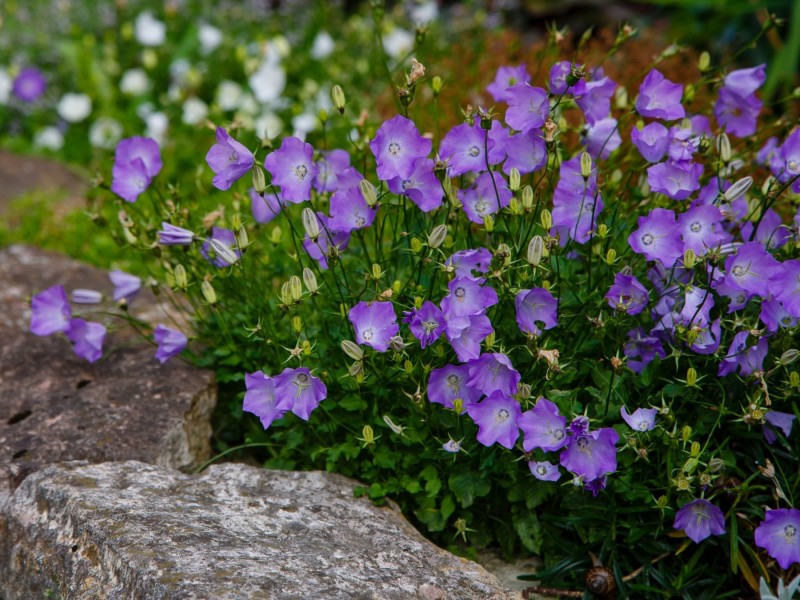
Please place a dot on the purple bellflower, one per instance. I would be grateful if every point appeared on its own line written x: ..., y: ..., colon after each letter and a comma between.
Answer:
x: 329, y: 241
x: 576, y: 203
x: 136, y: 161
x: 448, y: 384
x: 496, y: 417
x: 627, y: 295
x: 507, y: 77
x: 229, y: 159
x: 396, y: 145
x: 331, y: 165
x: 591, y: 455
x: 526, y: 152
x: 651, y: 141
x: 87, y: 339
x: 700, y: 519
x: 172, y: 235
x: 493, y: 372
x: 426, y: 323
x: 543, y: 427
x: 483, y: 200
x: 292, y: 168
x: 777, y: 420
x: 29, y: 84
x: 463, y: 149
x: 779, y: 535
x: 264, y: 207
x: 775, y: 315
x: 50, y: 311
x: 422, y: 187
x: 742, y: 357
x: 658, y: 237
x: 544, y: 471
x: 660, y: 98
x: 528, y: 107
x: 786, y: 165
x: 641, y: 349
x: 125, y: 285
x: 470, y: 261
x: 786, y: 280
x: 771, y: 232
x: 675, y: 179
x: 557, y: 78
x: 466, y: 336
x: 349, y: 210
x: 466, y: 297
x: 375, y: 324
x: 299, y: 391
x: 737, y: 106
x: 701, y: 229
x: 170, y: 342
x: 602, y: 138
x: 642, y: 419
x: 594, y: 98
x: 535, y: 306
x: 259, y: 398
x: 751, y: 268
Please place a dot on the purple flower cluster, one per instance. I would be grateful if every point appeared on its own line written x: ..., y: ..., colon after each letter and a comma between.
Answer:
x: 295, y: 390
x: 229, y: 159
x: 737, y: 105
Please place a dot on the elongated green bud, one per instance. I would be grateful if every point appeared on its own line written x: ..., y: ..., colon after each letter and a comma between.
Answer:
x: 586, y: 165
x: 514, y: 179
x: 535, y: 250
x: 236, y: 222
x: 689, y: 258
x: 739, y: 188
x: 337, y: 95
x: 259, y: 180
x: 789, y: 356
x: 691, y: 377
x: 398, y: 429
x: 794, y: 379
x: 310, y: 223
x: 436, y: 85
x: 488, y: 223
x: 208, y: 292
x: 181, y: 279
x: 286, y: 294
x: 310, y: 280
x: 275, y: 235
x: 686, y: 433
x: 368, y: 435
x: 416, y: 245
x: 527, y: 197
x: 724, y: 148
x: 546, y: 219
x: 436, y: 237
x: 704, y: 62
x: 297, y: 324
x: 369, y: 192
x: 223, y: 251
x: 242, y: 239
x: 611, y: 256
x: 295, y: 288
x: 352, y: 350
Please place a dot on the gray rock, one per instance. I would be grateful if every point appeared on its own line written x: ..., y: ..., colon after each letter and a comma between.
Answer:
x: 55, y: 406
x: 131, y: 530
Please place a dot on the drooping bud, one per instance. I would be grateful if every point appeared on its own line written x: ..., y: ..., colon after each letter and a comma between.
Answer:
x: 392, y: 425
x: 535, y: 250
x: 295, y: 288
x: 416, y: 245
x: 275, y: 235
x: 208, y: 292
x: 586, y: 165
x: 377, y: 272
x: 86, y: 296
x: 724, y: 148
x: 242, y: 239
x: 436, y: 237
x: 259, y: 180
x: 285, y: 295
x: 310, y: 280
x: 356, y: 370
x: 546, y: 219
x: 310, y: 224
x: 704, y: 62
x: 611, y: 256
x: 514, y: 179
x: 739, y: 188
x: 367, y: 435
x: 369, y: 192
x: 694, y: 451
x: 527, y: 197
x: 715, y: 465
x: 621, y: 98
x: 181, y: 280
x: 352, y: 350
x: 436, y: 85
x: 489, y: 341
x: 397, y: 344
x: 691, y: 377
x: 789, y: 356
x: 794, y: 379
x: 297, y: 324
x: 223, y: 251
x: 689, y: 258
x: 339, y: 101
x: 488, y: 223
x: 686, y: 433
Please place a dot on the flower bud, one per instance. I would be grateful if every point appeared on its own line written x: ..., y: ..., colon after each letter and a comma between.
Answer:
x: 514, y: 206
x: 223, y: 251
x: 621, y: 98
x: 377, y: 272
x: 181, y: 280
x: 611, y: 256
x: 295, y: 288
x: 337, y: 95
x: 715, y: 465
x: 408, y: 366
x: 208, y: 292
x: 297, y: 324
x: 686, y: 433
x: 458, y: 405
x: 527, y: 197
x: 546, y: 219
x: 436, y: 85
x: 367, y: 435
x: 310, y: 280
x: 275, y: 235
x: 695, y: 449
x: 662, y: 502
x: 691, y: 377
x: 514, y: 179
x: 789, y: 356
x: 129, y: 237
x: 369, y: 192
x: 397, y: 344
x: 436, y: 237
x: 394, y: 427
x: 524, y: 391
x: 488, y: 223
x: 416, y: 245
x: 689, y: 258
x: 738, y: 188
x: 285, y: 295
x: 489, y: 341
x: 794, y: 379
x: 602, y: 230
x: 352, y: 350
x: 259, y: 180
x: 586, y: 165
x: 242, y: 239
x: 704, y: 62
x: 724, y: 148
x: 535, y: 250
x: 84, y: 296
x: 310, y: 224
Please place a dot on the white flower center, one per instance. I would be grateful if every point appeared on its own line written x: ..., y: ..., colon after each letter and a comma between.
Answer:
x: 648, y: 239
x: 474, y: 151
x: 300, y: 171
x: 502, y: 415
x: 696, y: 227
x: 394, y: 149
x: 367, y: 334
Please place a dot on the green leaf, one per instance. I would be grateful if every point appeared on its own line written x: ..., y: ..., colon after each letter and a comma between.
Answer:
x: 467, y: 487
x: 529, y: 531
x: 433, y: 487
x: 384, y: 458
x: 353, y: 402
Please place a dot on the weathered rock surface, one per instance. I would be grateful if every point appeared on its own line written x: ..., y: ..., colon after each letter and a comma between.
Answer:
x: 131, y: 530
x: 55, y: 406
x: 21, y: 174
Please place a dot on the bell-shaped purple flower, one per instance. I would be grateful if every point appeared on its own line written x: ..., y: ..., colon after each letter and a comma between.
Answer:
x: 496, y: 417
x: 737, y: 114
x: 594, y: 98
x: 329, y: 241
x: 544, y: 471
x: 396, y: 145
x: 675, y: 179
x: 125, y: 285
x: 642, y: 349
x: 485, y: 198
x: 426, y: 323
x: 786, y: 281
x: 463, y: 149
x: 87, y: 339
x: 526, y: 152
x: 29, y: 84
x: 507, y: 77
x: 779, y: 535
x: 747, y: 359
x: 299, y: 391
x: 470, y: 263
x: 292, y: 168
x: 535, y: 306
x: 786, y: 165
x: 642, y: 419
x: 751, y: 268
x: 627, y: 295
x: 136, y: 161
x: 592, y: 454
x: 375, y: 324
x: 493, y: 372
x: 699, y: 519
x: 602, y: 138
x: 557, y: 78
x: 467, y: 297
x: 528, y: 107
x: 259, y: 398
x: 264, y: 207
x: 658, y: 237
x: 466, y: 336
x: 330, y: 166
x: 350, y: 211
x: 651, y: 141
x: 777, y: 420
x: 776, y: 316
x: 172, y: 235
x: 170, y: 342
x: 543, y: 427
x: 422, y: 187
x: 448, y: 384
x: 229, y: 159
x: 50, y: 311
x: 660, y: 98
x: 576, y: 203
x: 746, y: 81
x: 701, y: 229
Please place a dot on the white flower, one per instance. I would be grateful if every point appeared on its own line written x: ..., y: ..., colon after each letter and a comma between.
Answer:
x: 105, y: 133
x: 398, y: 43
x: 210, y: 38
x: 49, y: 138
x: 194, y: 111
x: 268, y: 82
x: 179, y: 69
x: 74, y: 108
x: 5, y: 86
x: 157, y: 124
x: 248, y: 105
x: 304, y: 124
x: 145, y: 109
x: 149, y: 31
x: 268, y: 126
x: 229, y: 95
x: 134, y: 82
x: 323, y: 45
x: 423, y: 11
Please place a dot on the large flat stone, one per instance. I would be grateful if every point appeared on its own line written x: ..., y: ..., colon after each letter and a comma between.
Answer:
x: 22, y: 174
x: 136, y: 531
x: 55, y: 406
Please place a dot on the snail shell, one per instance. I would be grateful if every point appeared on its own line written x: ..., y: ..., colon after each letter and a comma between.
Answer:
x: 600, y: 581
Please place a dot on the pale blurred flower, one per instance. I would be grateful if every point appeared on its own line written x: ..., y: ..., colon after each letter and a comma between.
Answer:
x: 268, y: 126
x: 105, y: 132
x: 157, y: 124
x: 49, y: 138
x: 74, y: 108
x: 423, y: 11
x: 229, y: 95
x: 134, y: 82
x: 268, y: 82
x: 149, y: 31
x: 194, y: 111
x: 398, y: 42
x: 248, y: 105
x: 210, y: 38
x: 304, y: 124
x: 323, y: 46
x: 6, y: 82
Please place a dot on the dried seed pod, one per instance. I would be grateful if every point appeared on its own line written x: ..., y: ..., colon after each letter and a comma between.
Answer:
x: 600, y: 581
